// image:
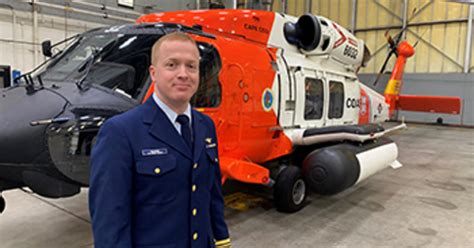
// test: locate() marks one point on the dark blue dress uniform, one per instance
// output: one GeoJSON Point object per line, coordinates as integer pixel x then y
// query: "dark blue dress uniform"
{"type": "Point", "coordinates": [148, 189]}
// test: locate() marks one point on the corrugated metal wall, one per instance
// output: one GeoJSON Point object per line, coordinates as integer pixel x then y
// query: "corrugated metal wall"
{"type": "Point", "coordinates": [440, 27]}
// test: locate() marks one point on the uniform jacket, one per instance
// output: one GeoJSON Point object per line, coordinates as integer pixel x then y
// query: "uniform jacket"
{"type": "Point", "coordinates": [148, 189]}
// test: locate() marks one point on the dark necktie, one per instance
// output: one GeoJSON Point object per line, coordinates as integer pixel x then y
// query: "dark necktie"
{"type": "Point", "coordinates": [185, 130]}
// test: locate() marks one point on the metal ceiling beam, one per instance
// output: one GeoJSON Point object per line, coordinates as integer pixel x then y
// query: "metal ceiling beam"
{"type": "Point", "coordinates": [309, 6]}
{"type": "Point", "coordinates": [467, 57]}
{"type": "Point", "coordinates": [416, 24]}
{"type": "Point", "coordinates": [354, 16]}
{"type": "Point", "coordinates": [405, 20]}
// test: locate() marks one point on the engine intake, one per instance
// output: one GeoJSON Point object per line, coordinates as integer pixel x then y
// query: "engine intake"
{"type": "Point", "coordinates": [305, 33]}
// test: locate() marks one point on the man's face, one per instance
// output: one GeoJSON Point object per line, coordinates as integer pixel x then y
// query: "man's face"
{"type": "Point", "coordinates": [176, 72]}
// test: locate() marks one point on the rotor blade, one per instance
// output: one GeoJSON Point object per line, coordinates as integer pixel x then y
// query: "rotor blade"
{"type": "Point", "coordinates": [382, 69]}
{"type": "Point", "coordinates": [366, 57]}
{"type": "Point", "coordinates": [399, 37]}
{"type": "Point", "coordinates": [413, 13]}
{"type": "Point", "coordinates": [389, 38]}
{"type": "Point", "coordinates": [416, 43]}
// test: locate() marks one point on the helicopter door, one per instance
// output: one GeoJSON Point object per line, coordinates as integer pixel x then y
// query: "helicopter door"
{"type": "Point", "coordinates": [309, 100]}
{"type": "Point", "coordinates": [285, 86]}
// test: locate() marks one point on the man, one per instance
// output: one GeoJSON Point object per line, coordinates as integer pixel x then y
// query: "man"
{"type": "Point", "coordinates": [155, 178]}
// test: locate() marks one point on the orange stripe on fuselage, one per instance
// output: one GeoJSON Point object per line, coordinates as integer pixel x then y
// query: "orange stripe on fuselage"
{"type": "Point", "coordinates": [253, 25]}
{"type": "Point", "coordinates": [245, 130]}
{"type": "Point", "coordinates": [364, 108]}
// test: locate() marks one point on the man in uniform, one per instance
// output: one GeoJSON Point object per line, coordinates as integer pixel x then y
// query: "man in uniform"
{"type": "Point", "coordinates": [155, 178]}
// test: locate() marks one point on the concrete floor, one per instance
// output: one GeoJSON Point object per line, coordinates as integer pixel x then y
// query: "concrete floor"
{"type": "Point", "coordinates": [427, 203]}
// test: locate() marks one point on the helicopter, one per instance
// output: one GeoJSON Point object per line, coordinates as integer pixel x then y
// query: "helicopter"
{"type": "Point", "coordinates": [283, 92]}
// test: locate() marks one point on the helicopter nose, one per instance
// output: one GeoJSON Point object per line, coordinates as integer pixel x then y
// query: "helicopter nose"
{"type": "Point", "coordinates": [20, 142]}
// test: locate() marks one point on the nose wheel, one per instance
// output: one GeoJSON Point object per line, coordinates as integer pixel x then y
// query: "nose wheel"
{"type": "Point", "coordinates": [2, 204]}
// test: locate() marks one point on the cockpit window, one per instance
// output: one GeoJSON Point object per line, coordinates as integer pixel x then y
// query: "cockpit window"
{"type": "Point", "coordinates": [208, 94]}
{"type": "Point", "coordinates": [120, 62]}
{"type": "Point", "coordinates": [116, 61]}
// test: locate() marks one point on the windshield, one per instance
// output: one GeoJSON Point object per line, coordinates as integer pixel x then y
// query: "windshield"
{"type": "Point", "coordinates": [67, 66]}
{"type": "Point", "coordinates": [120, 62]}
{"type": "Point", "coordinates": [113, 60]}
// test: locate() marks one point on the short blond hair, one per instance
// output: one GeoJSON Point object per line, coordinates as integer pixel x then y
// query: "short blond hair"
{"type": "Point", "coordinates": [174, 36]}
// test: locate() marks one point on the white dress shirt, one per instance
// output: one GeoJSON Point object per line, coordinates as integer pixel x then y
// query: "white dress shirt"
{"type": "Point", "coordinates": [173, 115]}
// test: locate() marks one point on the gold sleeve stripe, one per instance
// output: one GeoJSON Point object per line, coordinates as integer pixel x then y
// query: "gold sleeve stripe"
{"type": "Point", "coordinates": [223, 242]}
{"type": "Point", "coordinates": [224, 246]}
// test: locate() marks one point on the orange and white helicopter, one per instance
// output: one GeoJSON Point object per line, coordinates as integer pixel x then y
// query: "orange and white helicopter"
{"type": "Point", "coordinates": [283, 92]}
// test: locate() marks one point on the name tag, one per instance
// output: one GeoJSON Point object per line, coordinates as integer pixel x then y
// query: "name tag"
{"type": "Point", "coordinates": [154, 152]}
{"type": "Point", "coordinates": [211, 145]}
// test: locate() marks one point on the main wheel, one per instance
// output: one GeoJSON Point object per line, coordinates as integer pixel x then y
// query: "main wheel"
{"type": "Point", "coordinates": [289, 192]}
{"type": "Point", "coordinates": [2, 204]}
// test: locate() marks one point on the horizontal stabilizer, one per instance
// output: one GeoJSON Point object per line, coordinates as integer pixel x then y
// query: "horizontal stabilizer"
{"type": "Point", "coordinates": [432, 104]}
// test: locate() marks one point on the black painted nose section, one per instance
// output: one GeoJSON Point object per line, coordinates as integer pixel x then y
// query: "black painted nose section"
{"type": "Point", "coordinates": [21, 143]}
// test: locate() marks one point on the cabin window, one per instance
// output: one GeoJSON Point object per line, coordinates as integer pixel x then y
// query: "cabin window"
{"type": "Point", "coordinates": [336, 100]}
{"type": "Point", "coordinates": [313, 107]}
{"type": "Point", "coordinates": [209, 92]}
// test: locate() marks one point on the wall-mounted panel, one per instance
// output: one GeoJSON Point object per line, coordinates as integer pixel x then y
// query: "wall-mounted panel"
{"type": "Point", "coordinates": [300, 8]}
{"type": "Point", "coordinates": [323, 8]}
{"type": "Point", "coordinates": [296, 8]}
{"type": "Point", "coordinates": [339, 11]}
{"type": "Point", "coordinates": [291, 7]}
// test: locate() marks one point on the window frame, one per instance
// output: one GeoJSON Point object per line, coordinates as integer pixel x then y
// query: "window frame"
{"type": "Point", "coordinates": [331, 107]}
{"type": "Point", "coordinates": [319, 101]}
{"type": "Point", "coordinates": [214, 76]}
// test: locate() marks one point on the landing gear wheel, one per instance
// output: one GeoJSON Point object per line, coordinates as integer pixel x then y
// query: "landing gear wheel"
{"type": "Point", "coordinates": [2, 204]}
{"type": "Point", "coordinates": [289, 193]}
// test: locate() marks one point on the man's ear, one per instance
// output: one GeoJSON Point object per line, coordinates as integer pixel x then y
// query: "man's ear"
{"type": "Point", "coordinates": [151, 70]}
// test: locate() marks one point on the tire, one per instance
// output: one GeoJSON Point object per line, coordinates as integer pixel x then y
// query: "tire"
{"type": "Point", "coordinates": [2, 204]}
{"type": "Point", "coordinates": [289, 192]}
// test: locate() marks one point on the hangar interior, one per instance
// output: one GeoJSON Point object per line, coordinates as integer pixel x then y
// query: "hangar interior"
{"type": "Point", "coordinates": [427, 203]}
{"type": "Point", "coordinates": [445, 60]}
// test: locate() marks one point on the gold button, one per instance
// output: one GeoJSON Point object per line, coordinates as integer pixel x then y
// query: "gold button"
{"type": "Point", "coordinates": [195, 166]}
{"type": "Point", "coordinates": [157, 170]}
{"type": "Point", "coordinates": [195, 236]}
{"type": "Point", "coordinates": [194, 187]}
{"type": "Point", "coordinates": [195, 212]}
